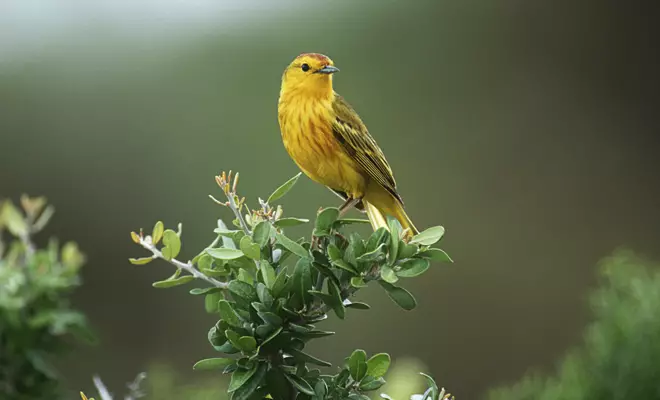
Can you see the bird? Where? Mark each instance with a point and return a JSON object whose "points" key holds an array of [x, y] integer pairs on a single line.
{"points": [[329, 142]]}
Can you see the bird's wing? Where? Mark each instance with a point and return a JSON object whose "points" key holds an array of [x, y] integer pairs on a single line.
{"points": [[350, 131]]}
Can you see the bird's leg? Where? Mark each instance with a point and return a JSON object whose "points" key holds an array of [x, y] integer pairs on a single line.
{"points": [[347, 206]]}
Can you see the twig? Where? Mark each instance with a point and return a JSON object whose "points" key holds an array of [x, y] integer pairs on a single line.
{"points": [[104, 394], [237, 212], [134, 391], [188, 267]]}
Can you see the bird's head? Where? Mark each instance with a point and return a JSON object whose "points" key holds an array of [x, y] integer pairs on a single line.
{"points": [[310, 73]]}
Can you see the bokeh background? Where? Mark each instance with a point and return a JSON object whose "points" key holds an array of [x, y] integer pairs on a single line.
{"points": [[528, 129]]}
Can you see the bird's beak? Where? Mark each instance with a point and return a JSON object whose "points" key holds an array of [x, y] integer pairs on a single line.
{"points": [[328, 69]]}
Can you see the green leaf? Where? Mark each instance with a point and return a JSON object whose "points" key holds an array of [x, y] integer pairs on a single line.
{"points": [[261, 233], [320, 389], [357, 365], [388, 274], [213, 363], [302, 356], [406, 250], [207, 290], [326, 272], [292, 246], [278, 386], [240, 376], [172, 244], [373, 255], [372, 384], [245, 276], [356, 305], [282, 190], [333, 252], [211, 302], [248, 344], [395, 230], [141, 261], [280, 284], [429, 236], [436, 255], [272, 335], [13, 219], [336, 259], [224, 253], [228, 314], [182, 280], [435, 391], [299, 383], [233, 338], [413, 267], [249, 248], [271, 318], [302, 280], [264, 295], [242, 289], [316, 334], [214, 273], [324, 221], [348, 221], [157, 232], [204, 261], [399, 295], [267, 273], [247, 390], [337, 304], [358, 282], [286, 222], [380, 236], [378, 365]]}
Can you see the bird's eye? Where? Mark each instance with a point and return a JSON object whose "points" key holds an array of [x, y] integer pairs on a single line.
{"points": [[305, 67]]}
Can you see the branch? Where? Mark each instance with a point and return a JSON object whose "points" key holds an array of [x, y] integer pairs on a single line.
{"points": [[188, 267], [229, 189], [104, 394]]}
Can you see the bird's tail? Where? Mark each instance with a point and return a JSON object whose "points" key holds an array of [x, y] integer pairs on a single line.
{"points": [[377, 218]]}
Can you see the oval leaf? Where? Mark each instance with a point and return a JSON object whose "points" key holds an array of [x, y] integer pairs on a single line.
{"points": [[242, 289], [247, 344], [239, 377], [172, 244], [436, 255], [399, 295], [378, 365], [299, 383], [325, 219], [292, 246], [388, 275], [141, 261], [357, 365], [414, 267], [228, 314], [282, 190], [249, 248], [173, 282], [157, 232], [224, 254], [247, 389], [213, 363], [285, 222], [261, 233], [429, 236]]}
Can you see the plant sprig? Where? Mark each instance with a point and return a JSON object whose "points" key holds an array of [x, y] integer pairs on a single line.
{"points": [[269, 290]]}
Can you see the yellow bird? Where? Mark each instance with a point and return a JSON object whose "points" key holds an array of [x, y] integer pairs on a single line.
{"points": [[329, 142]]}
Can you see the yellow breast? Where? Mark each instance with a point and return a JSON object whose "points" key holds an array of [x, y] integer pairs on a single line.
{"points": [[308, 138]]}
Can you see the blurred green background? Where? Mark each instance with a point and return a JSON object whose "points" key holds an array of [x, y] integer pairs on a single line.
{"points": [[528, 129]]}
